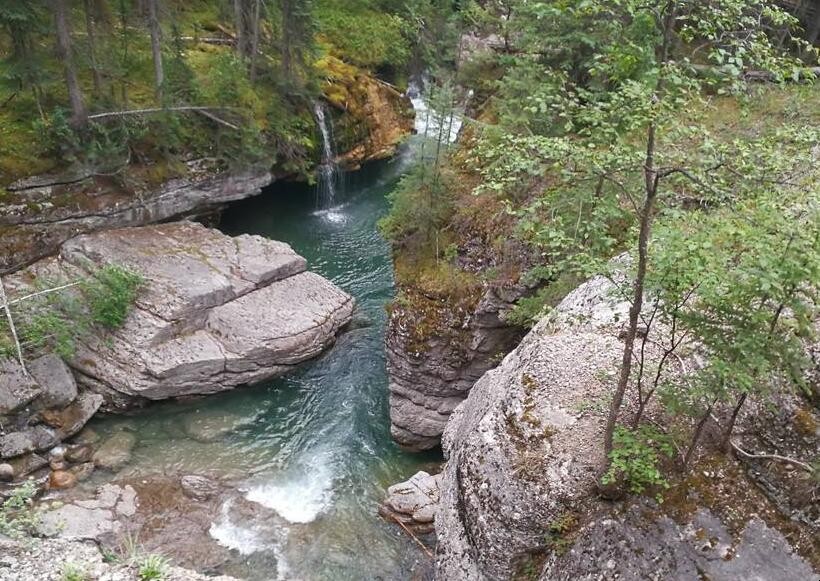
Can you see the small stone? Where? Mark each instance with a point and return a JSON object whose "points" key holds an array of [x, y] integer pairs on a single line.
{"points": [[198, 487], [82, 471], [25, 465], [6, 473], [34, 439], [58, 465], [87, 436], [16, 388], [115, 452], [79, 453], [60, 479], [56, 381]]}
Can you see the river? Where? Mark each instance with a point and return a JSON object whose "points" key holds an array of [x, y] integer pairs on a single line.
{"points": [[314, 447]]}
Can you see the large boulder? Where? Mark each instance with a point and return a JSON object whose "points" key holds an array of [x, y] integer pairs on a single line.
{"points": [[527, 441], [215, 312], [56, 381]]}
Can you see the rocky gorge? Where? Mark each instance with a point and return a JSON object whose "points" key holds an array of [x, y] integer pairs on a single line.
{"points": [[517, 496]]}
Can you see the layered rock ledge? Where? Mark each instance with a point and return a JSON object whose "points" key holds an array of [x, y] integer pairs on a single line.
{"points": [[42, 212], [215, 312], [428, 382]]}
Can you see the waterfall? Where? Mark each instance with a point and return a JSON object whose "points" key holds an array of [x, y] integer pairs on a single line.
{"points": [[329, 175]]}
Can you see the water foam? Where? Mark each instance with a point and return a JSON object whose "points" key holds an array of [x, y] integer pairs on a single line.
{"points": [[226, 533], [299, 495]]}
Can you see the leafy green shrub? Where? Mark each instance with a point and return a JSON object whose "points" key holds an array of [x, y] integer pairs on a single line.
{"points": [[110, 292], [56, 320], [17, 515], [636, 456]]}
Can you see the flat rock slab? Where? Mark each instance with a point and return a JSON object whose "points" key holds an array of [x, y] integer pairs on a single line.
{"points": [[94, 519], [16, 388], [215, 311]]}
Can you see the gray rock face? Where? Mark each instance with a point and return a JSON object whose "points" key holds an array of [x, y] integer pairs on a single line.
{"points": [[413, 503], [56, 381], [73, 417], [426, 387], [637, 544], [16, 388], [215, 311], [526, 444], [44, 211], [36, 439]]}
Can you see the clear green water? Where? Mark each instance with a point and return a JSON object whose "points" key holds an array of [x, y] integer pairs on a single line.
{"points": [[313, 447]]}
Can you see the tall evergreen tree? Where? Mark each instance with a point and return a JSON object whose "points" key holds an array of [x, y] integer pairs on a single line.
{"points": [[64, 52]]}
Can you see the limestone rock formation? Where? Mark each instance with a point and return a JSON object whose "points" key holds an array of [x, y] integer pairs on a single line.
{"points": [[523, 454], [42, 212], [526, 443], [215, 312], [426, 386], [638, 544]]}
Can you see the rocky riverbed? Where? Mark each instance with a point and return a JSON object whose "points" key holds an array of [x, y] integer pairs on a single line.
{"points": [[214, 312]]}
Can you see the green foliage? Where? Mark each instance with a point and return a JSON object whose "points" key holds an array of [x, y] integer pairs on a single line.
{"points": [[17, 515], [73, 572], [418, 206], [57, 320], [363, 35], [558, 532], [636, 456], [110, 292], [152, 568], [102, 145], [753, 270]]}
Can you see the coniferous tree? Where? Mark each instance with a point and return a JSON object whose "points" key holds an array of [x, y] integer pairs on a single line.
{"points": [[64, 52]]}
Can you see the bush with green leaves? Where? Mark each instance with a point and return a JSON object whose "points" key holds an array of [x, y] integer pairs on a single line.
{"points": [[18, 517], [56, 320], [637, 456]]}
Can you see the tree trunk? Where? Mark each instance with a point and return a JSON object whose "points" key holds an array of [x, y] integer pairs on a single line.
{"points": [[696, 436], [651, 191], [156, 46], [254, 38], [638, 290], [241, 17], [92, 47], [75, 95], [287, 40], [727, 435]]}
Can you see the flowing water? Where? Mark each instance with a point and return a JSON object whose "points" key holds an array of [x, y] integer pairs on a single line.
{"points": [[313, 449], [329, 176]]}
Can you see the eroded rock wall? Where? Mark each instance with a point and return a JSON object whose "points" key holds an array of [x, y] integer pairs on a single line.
{"points": [[432, 370]]}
